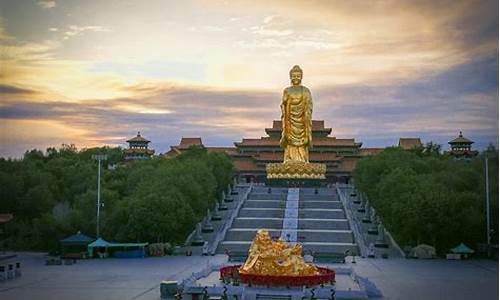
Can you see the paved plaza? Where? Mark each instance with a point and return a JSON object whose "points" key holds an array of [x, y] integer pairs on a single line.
{"points": [[139, 278]]}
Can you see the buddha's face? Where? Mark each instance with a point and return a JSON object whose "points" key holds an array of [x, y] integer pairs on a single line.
{"points": [[296, 78]]}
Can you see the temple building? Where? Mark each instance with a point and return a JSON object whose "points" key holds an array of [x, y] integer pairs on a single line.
{"points": [[250, 156], [138, 148], [339, 155], [4, 219], [188, 142], [185, 144], [410, 143], [461, 147]]}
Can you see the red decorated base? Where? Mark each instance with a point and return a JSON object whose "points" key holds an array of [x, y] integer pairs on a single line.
{"points": [[232, 272]]}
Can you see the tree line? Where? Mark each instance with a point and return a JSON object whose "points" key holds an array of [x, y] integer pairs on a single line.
{"points": [[53, 195], [426, 196]]}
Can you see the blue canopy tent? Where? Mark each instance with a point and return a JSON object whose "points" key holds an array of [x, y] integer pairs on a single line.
{"points": [[77, 239], [102, 246], [75, 246], [463, 250], [121, 250]]}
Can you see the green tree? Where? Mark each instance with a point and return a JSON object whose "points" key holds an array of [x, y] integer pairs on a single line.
{"points": [[428, 197], [53, 194]]}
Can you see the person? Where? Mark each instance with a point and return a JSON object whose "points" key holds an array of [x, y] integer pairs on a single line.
{"points": [[296, 118]]}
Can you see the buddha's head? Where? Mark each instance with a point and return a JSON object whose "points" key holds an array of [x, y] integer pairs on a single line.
{"points": [[262, 235], [296, 75]]}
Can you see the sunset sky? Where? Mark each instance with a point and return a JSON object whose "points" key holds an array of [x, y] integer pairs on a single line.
{"points": [[96, 72]]}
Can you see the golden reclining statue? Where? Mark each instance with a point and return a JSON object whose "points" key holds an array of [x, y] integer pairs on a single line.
{"points": [[276, 258]]}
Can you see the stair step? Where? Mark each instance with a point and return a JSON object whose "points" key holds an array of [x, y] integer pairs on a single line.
{"points": [[298, 230], [307, 247], [322, 226], [277, 223], [302, 204], [327, 244], [258, 212], [251, 222], [303, 235]]}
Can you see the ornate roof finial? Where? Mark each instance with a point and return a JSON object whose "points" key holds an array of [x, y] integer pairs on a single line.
{"points": [[138, 133], [460, 135]]}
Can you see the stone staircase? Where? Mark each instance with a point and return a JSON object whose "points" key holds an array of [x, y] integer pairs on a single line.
{"points": [[366, 226], [317, 220]]}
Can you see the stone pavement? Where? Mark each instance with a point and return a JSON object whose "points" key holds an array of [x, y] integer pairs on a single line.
{"points": [[128, 279], [410, 279], [123, 279]]}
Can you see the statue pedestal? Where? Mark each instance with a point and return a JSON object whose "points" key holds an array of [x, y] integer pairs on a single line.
{"points": [[296, 173]]}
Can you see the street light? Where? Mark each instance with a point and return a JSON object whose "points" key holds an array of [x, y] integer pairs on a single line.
{"points": [[487, 187], [99, 158]]}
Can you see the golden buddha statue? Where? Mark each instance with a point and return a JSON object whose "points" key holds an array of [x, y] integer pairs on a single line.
{"points": [[296, 136], [268, 257], [296, 119]]}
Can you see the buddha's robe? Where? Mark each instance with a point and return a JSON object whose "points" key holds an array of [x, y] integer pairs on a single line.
{"points": [[296, 118]]}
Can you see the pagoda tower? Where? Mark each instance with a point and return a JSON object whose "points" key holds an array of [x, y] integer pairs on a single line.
{"points": [[461, 147], [138, 148]]}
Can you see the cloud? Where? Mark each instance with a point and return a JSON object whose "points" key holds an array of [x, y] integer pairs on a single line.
{"points": [[35, 65], [26, 52], [9, 89], [348, 42], [341, 43], [377, 70], [47, 4], [433, 108], [273, 26], [74, 30], [3, 33], [220, 117]]}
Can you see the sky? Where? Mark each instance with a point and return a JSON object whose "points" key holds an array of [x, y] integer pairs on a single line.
{"points": [[96, 72]]}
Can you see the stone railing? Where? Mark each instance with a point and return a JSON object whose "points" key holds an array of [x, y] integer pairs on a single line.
{"points": [[393, 243], [221, 233], [291, 217], [347, 204], [358, 235]]}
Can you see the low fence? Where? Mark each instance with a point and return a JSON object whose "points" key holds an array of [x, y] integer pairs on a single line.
{"points": [[353, 224], [221, 233], [357, 231]]}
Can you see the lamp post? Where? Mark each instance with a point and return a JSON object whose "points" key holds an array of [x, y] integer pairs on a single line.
{"points": [[487, 183], [99, 158]]}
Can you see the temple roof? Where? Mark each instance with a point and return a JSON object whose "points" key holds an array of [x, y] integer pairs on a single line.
{"points": [[333, 141], [188, 142], [409, 143], [139, 150], [370, 151], [227, 150], [173, 152], [246, 164], [313, 156], [460, 140], [138, 138], [4, 218], [317, 125], [347, 164], [322, 141]]}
